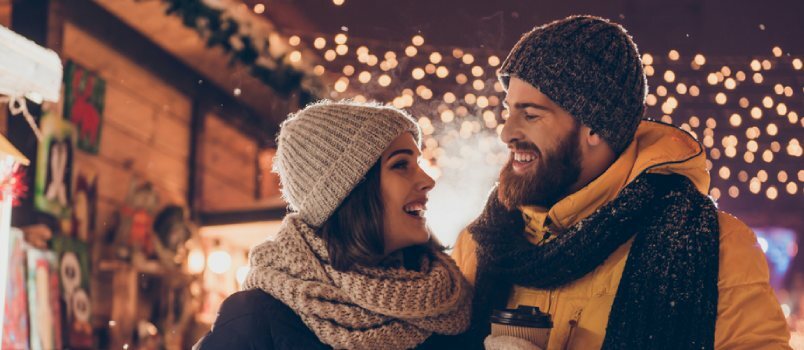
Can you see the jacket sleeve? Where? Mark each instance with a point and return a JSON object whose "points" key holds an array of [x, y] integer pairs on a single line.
{"points": [[465, 255], [234, 328], [748, 315], [224, 339], [254, 320]]}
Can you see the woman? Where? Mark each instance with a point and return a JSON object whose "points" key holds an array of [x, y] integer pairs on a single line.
{"points": [[354, 265]]}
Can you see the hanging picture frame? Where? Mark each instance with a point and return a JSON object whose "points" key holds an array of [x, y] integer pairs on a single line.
{"points": [[54, 169], [84, 95], [74, 274]]}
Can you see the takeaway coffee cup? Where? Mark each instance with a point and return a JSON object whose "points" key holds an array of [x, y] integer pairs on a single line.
{"points": [[526, 322]]}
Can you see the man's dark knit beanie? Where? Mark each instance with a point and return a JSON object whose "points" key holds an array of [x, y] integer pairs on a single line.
{"points": [[588, 66]]}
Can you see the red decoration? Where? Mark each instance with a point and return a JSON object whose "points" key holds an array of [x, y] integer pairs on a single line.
{"points": [[14, 185]]}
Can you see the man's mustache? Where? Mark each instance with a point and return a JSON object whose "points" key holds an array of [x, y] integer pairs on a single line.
{"points": [[524, 146]]}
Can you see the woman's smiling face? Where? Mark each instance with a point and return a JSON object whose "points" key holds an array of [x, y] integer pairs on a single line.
{"points": [[404, 186]]}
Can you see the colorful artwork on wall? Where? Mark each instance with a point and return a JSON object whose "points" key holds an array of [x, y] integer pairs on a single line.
{"points": [[84, 94], [74, 275], [54, 169]]}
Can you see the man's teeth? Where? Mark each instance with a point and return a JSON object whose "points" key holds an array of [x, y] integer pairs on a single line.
{"points": [[524, 157]]}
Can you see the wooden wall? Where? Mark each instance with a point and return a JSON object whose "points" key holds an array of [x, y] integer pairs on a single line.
{"points": [[146, 128]]}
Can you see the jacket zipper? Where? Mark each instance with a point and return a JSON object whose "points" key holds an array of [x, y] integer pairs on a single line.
{"points": [[573, 323]]}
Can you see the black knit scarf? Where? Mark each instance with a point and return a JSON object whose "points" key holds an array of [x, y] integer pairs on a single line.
{"points": [[667, 297]]}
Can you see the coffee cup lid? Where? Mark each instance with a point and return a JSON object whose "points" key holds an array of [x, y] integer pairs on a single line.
{"points": [[524, 316]]}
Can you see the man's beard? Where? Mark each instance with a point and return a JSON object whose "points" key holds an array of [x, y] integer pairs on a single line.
{"points": [[549, 182]]}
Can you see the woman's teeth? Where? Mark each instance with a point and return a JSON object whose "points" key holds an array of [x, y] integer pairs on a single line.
{"points": [[415, 209], [524, 157]]}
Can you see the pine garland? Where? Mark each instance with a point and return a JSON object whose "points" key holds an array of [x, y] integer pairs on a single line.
{"points": [[222, 30]]}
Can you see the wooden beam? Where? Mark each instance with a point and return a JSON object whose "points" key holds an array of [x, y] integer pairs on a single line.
{"points": [[242, 216]]}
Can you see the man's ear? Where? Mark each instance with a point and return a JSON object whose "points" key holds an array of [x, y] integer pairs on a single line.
{"points": [[591, 137]]}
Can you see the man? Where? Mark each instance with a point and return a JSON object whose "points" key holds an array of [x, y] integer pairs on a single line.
{"points": [[601, 219]]}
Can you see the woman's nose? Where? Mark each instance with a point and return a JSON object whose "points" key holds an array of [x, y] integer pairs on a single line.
{"points": [[425, 183]]}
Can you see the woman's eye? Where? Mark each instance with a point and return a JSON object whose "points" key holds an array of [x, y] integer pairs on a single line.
{"points": [[400, 165]]}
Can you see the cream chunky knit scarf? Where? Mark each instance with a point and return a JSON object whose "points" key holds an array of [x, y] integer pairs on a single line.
{"points": [[367, 307]]}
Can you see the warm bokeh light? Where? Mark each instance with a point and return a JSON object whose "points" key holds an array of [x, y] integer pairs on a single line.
{"points": [[196, 261], [340, 38], [735, 120], [295, 56], [319, 43], [721, 98], [435, 58], [417, 73], [411, 51], [384, 80], [442, 72], [364, 77], [494, 61], [673, 55], [669, 76], [341, 49], [219, 261]]}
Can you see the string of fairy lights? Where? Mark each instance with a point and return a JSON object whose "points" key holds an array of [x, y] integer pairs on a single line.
{"points": [[744, 110]]}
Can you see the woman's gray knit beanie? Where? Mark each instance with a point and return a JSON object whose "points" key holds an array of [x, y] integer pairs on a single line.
{"points": [[325, 150]]}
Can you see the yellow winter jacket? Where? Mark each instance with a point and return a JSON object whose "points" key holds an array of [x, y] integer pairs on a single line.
{"points": [[748, 315]]}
